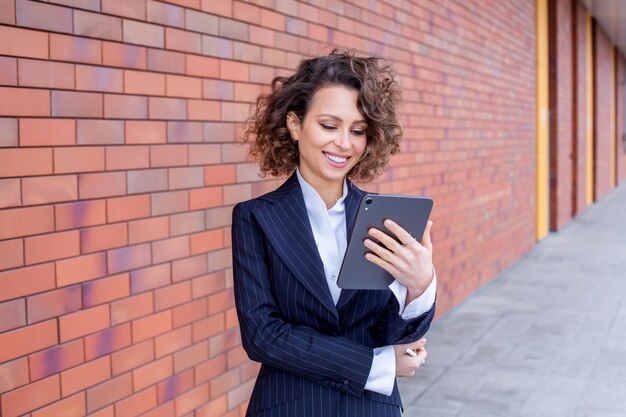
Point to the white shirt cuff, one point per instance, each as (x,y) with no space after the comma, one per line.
(421,304)
(382,375)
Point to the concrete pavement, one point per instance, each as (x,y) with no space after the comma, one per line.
(547,337)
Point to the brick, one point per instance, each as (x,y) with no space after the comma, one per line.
(55,359)
(146,230)
(81,268)
(218,217)
(12,315)
(172,295)
(183,132)
(132,357)
(23,42)
(73,406)
(10,193)
(107,341)
(240,394)
(202,66)
(231,318)
(75,49)
(273,20)
(8,133)
(124,56)
(217,47)
(262,36)
(76,104)
(25,221)
(152,373)
(210,369)
(245,52)
(95,239)
(94,78)
(84,322)
(220,175)
(105,290)
(30,397)
(247,92)
(224,383)
(24,102)
(235,112)
(169,249)
(165,14)
(206,241)
(109,392)
(26,340)
(148,180)
(180,40)
(134,10)
(172,341)
(86,375)
(192,399)
(43,16)
(51,247)
(247,13)
(203,110)
(125,107)
(131,308)
(189,177)
(166,61)
(130,257)
(46,74)
(140,132)
(150,278)
(143,33)
(175,385)
(80,4)
(169,202)
(185,223)
(201,22)
(165,409)
(221,301)
(204,154)
(137,403)
(208,327)
(191,356)
(100,132)
(8,12)
(79,214)
(127,208)
(217,407)
(51,132)
(78,159)
(106,184)
(127,157)
(168,156)
(222,8)
(43,190)
(151,326)
(142,82)
(14,374)
(167,108)
(99,26)
(205,198)
(181,86)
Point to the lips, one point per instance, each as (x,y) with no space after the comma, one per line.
(336,159)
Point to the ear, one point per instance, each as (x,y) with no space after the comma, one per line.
(293,124)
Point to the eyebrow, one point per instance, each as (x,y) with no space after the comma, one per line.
(339,119)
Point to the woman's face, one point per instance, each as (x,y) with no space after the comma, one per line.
(332,136)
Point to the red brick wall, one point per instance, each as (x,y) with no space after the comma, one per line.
(580,112)
(621,119)
(602,113)
(561,108)
(118,172)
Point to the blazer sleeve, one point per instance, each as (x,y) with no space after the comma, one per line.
(392,329)
(267,338)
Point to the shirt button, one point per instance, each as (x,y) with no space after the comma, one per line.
(333,277)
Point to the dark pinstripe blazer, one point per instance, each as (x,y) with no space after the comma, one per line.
(315,357)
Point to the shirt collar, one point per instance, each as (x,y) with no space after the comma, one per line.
(312,197)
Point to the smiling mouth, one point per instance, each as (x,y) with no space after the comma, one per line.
(336,159)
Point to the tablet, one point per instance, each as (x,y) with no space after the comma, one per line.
(409,212)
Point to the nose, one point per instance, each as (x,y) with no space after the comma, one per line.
(343,140)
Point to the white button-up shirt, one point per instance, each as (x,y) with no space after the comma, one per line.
(330,233)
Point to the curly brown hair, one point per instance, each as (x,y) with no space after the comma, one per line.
(378,98)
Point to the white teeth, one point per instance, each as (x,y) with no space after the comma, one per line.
(336,159)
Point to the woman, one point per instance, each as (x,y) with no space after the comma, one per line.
(326,351)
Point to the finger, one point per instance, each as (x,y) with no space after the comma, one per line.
(386,240)
(382,263)
(402,235)
(426,237)
(383,253)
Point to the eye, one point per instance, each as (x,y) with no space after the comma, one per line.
(328,127)
(358,132)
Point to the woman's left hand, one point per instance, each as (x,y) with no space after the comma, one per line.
(411,263)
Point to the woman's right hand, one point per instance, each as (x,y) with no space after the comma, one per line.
(406,365)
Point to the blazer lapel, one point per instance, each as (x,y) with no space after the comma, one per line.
(351,204)
(286,224)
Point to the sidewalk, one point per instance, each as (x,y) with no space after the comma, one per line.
(547,337)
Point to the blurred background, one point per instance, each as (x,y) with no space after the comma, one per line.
(120,164)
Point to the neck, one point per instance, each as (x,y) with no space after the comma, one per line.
(329,191)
